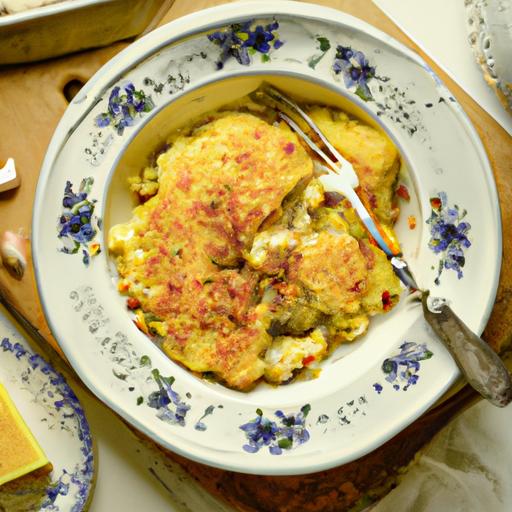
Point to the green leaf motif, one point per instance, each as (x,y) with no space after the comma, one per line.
(325,44)
(313,61)
(305,409)
(324,47)
(428,354)
(285,443)
(362,94)
(145,361)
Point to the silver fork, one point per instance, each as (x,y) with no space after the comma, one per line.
(482,367)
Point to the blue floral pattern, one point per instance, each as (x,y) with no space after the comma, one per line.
(241,40)
(402,370)
(355,69)
(74,483)
(169,405)
(284,433)
(448,235)
(124,106)
(78,225)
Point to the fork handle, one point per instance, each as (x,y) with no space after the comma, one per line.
(482,367)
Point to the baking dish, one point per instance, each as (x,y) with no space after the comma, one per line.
(72,25)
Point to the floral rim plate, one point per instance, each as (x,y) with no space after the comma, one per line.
(383,382)
(55,416)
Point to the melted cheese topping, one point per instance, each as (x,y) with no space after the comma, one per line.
(240,264)
(216,188)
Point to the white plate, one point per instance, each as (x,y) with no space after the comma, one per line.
(54,415)
(384,381)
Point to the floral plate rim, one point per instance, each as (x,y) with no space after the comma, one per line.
(150,45)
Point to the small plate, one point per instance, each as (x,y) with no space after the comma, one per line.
(54,415)
(369,390)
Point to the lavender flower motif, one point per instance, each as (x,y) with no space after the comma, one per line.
(170,408)
(284,433)
(448,235)
(355,69)
(77,225)
(124,107)
(403,368)
(241,41)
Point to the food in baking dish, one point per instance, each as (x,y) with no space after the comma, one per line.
(15,6)
(239,263)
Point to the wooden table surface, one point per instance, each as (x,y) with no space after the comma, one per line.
(32,100)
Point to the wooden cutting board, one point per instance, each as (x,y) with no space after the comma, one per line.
(32,100)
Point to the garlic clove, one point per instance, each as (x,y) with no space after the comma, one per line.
(13,253)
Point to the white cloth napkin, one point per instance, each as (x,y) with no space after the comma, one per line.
(466,468)
(438,27)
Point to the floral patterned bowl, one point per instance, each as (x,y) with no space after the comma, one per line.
(368,391)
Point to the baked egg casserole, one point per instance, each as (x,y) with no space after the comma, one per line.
(238,264)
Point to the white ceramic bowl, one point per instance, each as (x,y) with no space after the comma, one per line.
(368,391)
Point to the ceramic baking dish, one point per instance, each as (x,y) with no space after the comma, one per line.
(72,25)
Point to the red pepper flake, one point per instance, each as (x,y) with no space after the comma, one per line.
(332,199)
(435,202)
(308,360)
(174,288)
(242,157)
(257,134)
(184,181)
(372,198)
(403,192)
(123,286)
(132,303)
(372,241)
(357,287)
(411,220)
(386,300)
(289,148)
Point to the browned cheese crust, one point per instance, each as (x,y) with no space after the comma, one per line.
(216,188)
(240,262)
